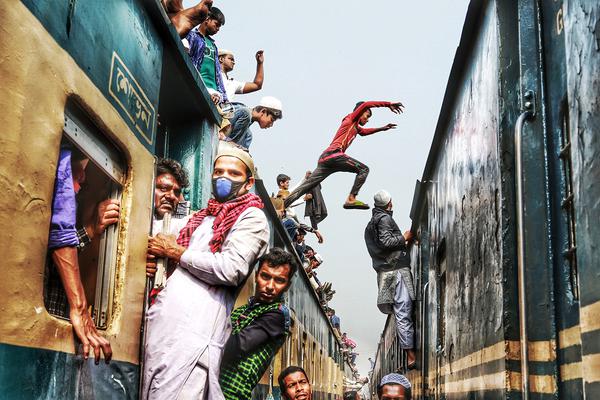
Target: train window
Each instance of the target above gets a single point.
(104, 170)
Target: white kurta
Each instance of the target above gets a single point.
(189, 322)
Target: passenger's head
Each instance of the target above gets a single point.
(309, 252)
(79, 163)
(364, 117)
(283, 181)
(171, 178)
(227, 60)
(300, 234)
(294, 384)
(315, 261)
(274, 275)
(267, 112)
(394, 387)
(383, 199)
(233, 172)
(214, 21)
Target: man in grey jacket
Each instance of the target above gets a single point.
(388, 248)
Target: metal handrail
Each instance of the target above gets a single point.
(423, 325)
(521, 253)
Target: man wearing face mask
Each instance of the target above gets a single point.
(213, 253)
(388, 248)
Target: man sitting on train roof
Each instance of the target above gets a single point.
(234, 87)
(294, 384)
(268, 110)
(387, 247)
(184, 19)
(259, 327)
(214, 253)
(65, 296)
(394, 387)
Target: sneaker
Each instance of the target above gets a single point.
(357, 204)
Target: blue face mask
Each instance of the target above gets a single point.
(224, 189)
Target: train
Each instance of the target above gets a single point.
(113, 80)
(506, 213)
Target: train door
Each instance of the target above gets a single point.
(561, 197)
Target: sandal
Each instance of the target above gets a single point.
(357, 205)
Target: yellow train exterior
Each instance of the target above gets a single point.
(113, 80)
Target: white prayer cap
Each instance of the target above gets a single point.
(382, 198)
(225, 52)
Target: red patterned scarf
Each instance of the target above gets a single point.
(225, 216)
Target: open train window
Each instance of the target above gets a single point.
(104, 173)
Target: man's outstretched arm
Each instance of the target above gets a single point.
(185, 20)
(396, 107)
(370, 131)
(67, 264)
(257, 84)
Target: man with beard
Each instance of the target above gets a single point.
(214, 253)
(259, 327)
(334, 158)
(170, 180)
(294, 384)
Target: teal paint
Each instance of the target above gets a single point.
(93, 32)
(29, 373)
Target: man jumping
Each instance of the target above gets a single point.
(334, 158)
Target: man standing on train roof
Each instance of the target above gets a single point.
(204, 53)
(387, 247)
(259, 327)
(294, 384)
(65, 295)
(334, 158)
(394, 387)
(234, 87)
(214, 253)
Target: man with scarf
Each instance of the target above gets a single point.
(388, 248)
(259, 327)
(214, 253)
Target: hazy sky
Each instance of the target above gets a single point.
(320, 61)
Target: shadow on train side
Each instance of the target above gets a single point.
(506, 213)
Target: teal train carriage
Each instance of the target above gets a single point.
(112, 79)
(507, 213)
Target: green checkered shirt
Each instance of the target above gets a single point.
(238, 380)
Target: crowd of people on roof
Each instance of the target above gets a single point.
(196, 345)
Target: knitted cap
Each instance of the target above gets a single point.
(382, 198)
(395, 379)
(233, 150)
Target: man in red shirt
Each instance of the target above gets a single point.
(334, 158)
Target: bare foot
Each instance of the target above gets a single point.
(186, 20)
(411, 358)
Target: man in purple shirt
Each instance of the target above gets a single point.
(63, 243)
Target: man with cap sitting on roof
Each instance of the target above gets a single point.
(234, 87)
(394, 387)
(265, 114)
(387, 247)
(214, 253)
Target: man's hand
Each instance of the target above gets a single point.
(150, 265)
(388, 127)
(260, 57)
(319, 236)
(308, 197)
(216, 98)
(397, 108)
(106, 215)
(408, 236)
(165, 246)
(85, 329)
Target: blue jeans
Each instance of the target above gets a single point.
(240, 125)
(290, 227)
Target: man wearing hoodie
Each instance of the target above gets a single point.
(388, 248)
